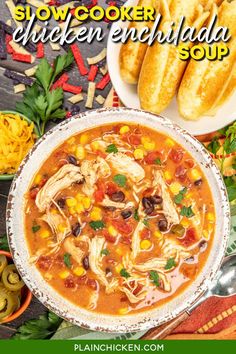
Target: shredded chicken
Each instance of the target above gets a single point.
(62, 179)
(169, 208)
(55, 220)
(134, 298)
(96, 246)
(76, 253)
(126, 165)
(118, 205)
(136, 239)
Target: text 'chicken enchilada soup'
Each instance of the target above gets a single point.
(119, 219)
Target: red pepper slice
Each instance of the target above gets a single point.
(72, 88)
(59, 83)
(98, 196)
(24, 58)
(10, 50)
(92, 72)
(79, 59)
(103, 82)
(40, 50)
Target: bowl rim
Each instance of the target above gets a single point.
(23, 307)
(118, 323)
(8, 177)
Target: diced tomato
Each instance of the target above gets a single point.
(134, 139)
(42, 182)
(92, 283)
(181, 172)
(151, 157)
(44, 262)
(99, 195)
(146, 234)
(108, 237)
(111, 188)
(176, 155)
(138, 288)
(69, 283)
(126, 240)
(189, 238)
(33, 193)
(122, 226)
(101, 154)
(189, 163)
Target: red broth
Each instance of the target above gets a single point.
(119, 218)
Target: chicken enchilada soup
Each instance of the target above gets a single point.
(119, 219)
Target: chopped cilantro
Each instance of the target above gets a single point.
(145, 222)
(36, 228)
(105, 252)
(120, 180)
(67, 260)
(154, 276)
(136, 216)
(187, 211)
(112, 148)
(170, 263)
(124, 273)
(97, 225)
(158, 161)
(179, 197)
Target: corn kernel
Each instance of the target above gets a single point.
(167, 175)
(79, 208)
(175, 188)
(45, 233)
(72, 149)
(112, 231)
(80, 152)
(54, 211)
(123, 310)
(138, 154)
(145, 139)
(79, 271)
(205, 234)
(71, 202)
(149, 146)
(37, 179)
(119, 267)
(72, 211)
(189, 195)
(185, 223)
(145, 244)
(96, 214)
(95, 145)
(158, 235)
(169, 142)
(84, 139)
(79, 197)
(61, 227)
(119, 251)
(64, 274)
(71, 141)
(86, 201)
(124, 129)
(210, 217)
(195, 174)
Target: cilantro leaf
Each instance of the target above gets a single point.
(105, 252)
(41, 105)
(67, 260)
(54, 100)
(230, 145)
(136, 216)
(230, 183)
(213, 147)
(4, 243)
(179, 197)
(145, 222)
(36, 228)
(187, 211)
(124, 273)
(112, 148)
(97, 225)
(154, 276)
(158, 161)
(61, 63)
(170, 263)
(120, 180)
(41, 328)
(44, 74)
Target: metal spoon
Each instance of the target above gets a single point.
(223, 286)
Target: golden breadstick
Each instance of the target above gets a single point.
(132, 53)
(162, 69)
(206, 84)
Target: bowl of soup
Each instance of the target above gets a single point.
(118, 220)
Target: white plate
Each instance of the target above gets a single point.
(128, 94)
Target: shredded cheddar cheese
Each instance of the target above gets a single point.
(16, 138)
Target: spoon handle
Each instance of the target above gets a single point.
(162, 331)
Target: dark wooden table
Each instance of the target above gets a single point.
(7, 102)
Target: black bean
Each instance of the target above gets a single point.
(85, 262)
(156, 199)
(198, 182)
(146, 202)
(109, 208)
(202, 246)
(72, 159)
(190, 260)
(61, 202)
(163, 225)
(108, 272)
(126, 214)
(149, 210)
(76, 229)
(117, 196)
